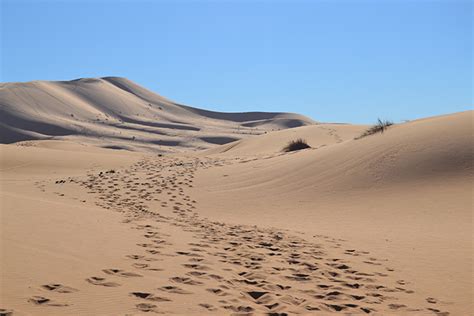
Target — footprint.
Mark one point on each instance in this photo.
(195, 266)
(438, 312)
(101, 281)
(217, 292)
(145, 266)
(59, 288)
(299, 277)
(135, 257)
(396, 306)
(208, 307)
(150, 297)
(311, 308)
(6, 312)
(144, 307)
(185, 280)
(174, 289)
(337, 308)
(292, 300)
(121, 273)
(256, 295)
(240, 309)
(40, 300)
(216, 277)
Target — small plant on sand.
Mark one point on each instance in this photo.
(379, 127)
(296, 145)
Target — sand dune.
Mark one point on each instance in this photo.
(380, 225)
(122, 114)
(317, 136)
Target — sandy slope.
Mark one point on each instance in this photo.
(406, 195)
(116, 113)
(317, 136)
(380, 225)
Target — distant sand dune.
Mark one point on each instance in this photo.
(121, 111)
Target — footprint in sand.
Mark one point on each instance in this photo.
(196, 266)
(256, 294)
(173, 289)
(209, 307)
(438, 312)
(149, 297)
(121, 273)
(101, 281)
(218, 292)
(145, 266)
(432, 300)
(6, 312)
(40, 300)
(187, 281)
(299, 277)
(144, 307)
(239, 309)
(59, 288)
(140, 257)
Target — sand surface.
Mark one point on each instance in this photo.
(381, 225)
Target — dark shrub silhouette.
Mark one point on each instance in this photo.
(379, 127)
(296, 145)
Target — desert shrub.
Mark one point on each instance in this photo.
(379, 127)
(296, 145)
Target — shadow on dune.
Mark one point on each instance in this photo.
(11, 135)
(284, 123)
(153, 131)
(219, 140)
(162, 125)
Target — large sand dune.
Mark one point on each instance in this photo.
(380, 225)
(117, 113)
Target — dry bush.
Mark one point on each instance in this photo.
(379, 127)
(296, 145)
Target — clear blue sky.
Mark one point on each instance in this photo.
(345, 61)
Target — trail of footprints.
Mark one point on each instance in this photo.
(333, 133)
(243, 269)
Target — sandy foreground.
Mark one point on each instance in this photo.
(380, 225)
